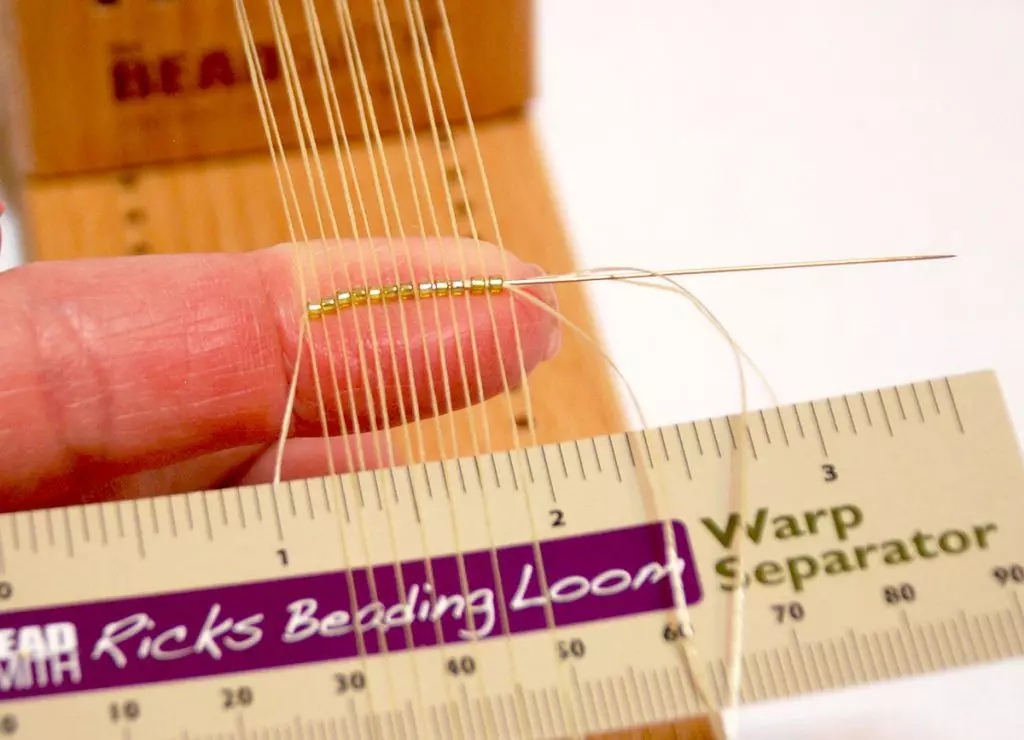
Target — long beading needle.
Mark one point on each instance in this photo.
(494, 285)
(639, 275)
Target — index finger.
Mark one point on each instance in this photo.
(120, 365)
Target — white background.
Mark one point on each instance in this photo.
(686, 133)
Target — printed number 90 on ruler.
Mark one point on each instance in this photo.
(883, 539)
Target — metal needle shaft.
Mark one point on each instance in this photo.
(638, 274)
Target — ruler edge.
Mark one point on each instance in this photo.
(624, 437)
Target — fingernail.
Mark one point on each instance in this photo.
(555, 344)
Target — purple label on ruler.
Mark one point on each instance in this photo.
(308, 619)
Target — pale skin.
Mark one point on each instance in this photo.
(161, 374)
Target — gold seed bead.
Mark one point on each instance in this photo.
(405, 291)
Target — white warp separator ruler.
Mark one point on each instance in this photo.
(884, 538)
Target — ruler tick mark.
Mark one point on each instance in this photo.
(881, 665)
(764, 426)
(843, 658)
(628, 439)
(959, 642)
(206, 515)
(918, 637)
(970, 637)
(626, 713)
(852, 636)
(1016, 645)
(535, 706)
(765, 679)
(15, 537)
(832, 415)
(799, 421)
(615, 460)
(714, 437)
(817, 427)
(223, 508)
(887, 642)
(241, 508)
(669, 696)
(138, 529)
(719, 693)
(579, 457)
(937, 639)
(1019, 621)
(999, 630)
(885, 412)
(818, 654)
(681, 679)
(849, 413)
(33, 535)
(682, 449)
(171, 518)
(84, 513)
(68, 537)
(956, 411)
(561, 456)
(867, 411)
(642, 690)
(609, 723)
(917, 402)
(747, 673)
(504, 719)
(664, 445)
(696, 436)
(899, 402)
(732, 436)
(48, 518)
(753, 449)
(782, 425)
(935, 398)
(981, 634)
(910, 655)
(655, 697)
(511, 467)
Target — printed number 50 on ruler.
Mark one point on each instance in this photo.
(884, 538)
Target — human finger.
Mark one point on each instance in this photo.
(116, 366)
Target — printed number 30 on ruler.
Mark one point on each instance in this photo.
(884, 538)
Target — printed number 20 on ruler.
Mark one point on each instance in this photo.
(884, 538)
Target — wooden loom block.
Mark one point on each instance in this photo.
(106, 84)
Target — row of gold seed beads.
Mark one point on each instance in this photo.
(404, 291)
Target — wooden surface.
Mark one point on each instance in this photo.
(90, 85)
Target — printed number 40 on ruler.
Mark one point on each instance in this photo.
(883, 538)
